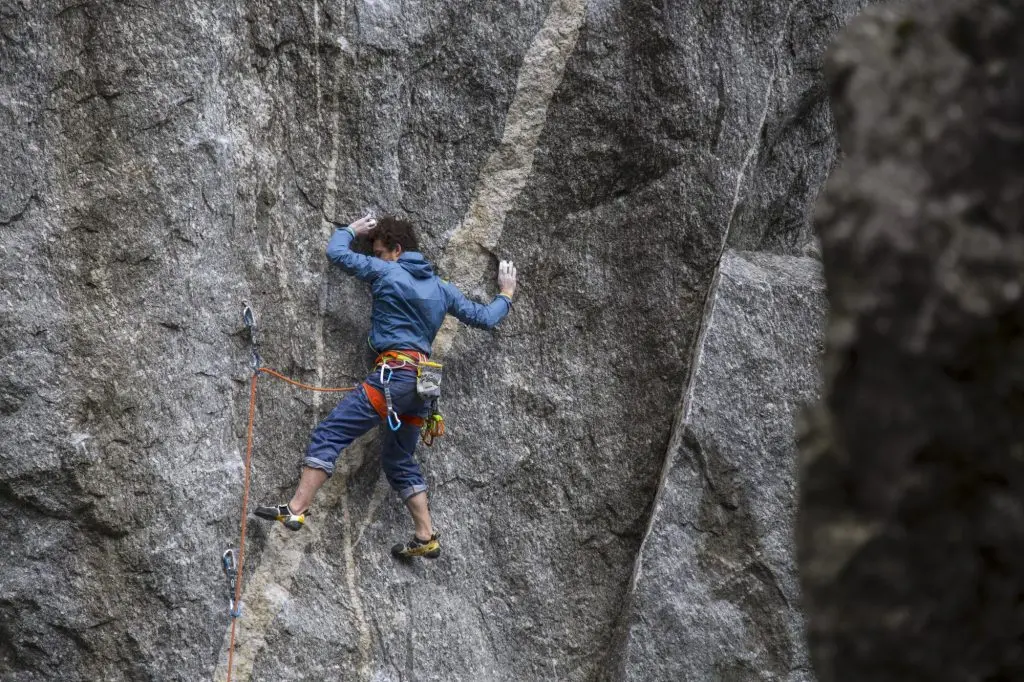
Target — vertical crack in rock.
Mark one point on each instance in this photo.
(352, 576)
(674, 445)
(714, 591)
(316, 74)
(506, 171)
(709, 302)
(755, 143)
(341, 486)
(696, 351)
(330, 206)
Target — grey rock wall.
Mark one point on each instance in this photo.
(715, 593)
(912, 541)
(163, 163)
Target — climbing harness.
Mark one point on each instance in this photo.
(428, 372)
(428, 386)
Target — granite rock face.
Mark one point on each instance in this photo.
(912, 533)
(165, 162)
(715, 594)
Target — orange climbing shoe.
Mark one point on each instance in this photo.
(428, 549)
(283, 514)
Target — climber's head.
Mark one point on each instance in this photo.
(392, 237)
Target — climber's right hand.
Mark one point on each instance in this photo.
(363, 225)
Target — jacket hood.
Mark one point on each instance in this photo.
(416, 265)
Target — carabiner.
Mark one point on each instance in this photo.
(229, 565)
(394, 421)
(249, 317)
(231, 573)
(385, 366)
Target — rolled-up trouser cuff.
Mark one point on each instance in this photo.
(314, 463)
(406, 493)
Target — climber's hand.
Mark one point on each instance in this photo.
(363, 225)
(507, 278)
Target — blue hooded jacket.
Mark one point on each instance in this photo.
(409, 300)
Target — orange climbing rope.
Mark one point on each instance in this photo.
(321, 389)
(245, 505)
(235, 607)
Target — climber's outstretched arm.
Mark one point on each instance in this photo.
(366, 268)
(478, 314)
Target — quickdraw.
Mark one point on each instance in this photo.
(394, 421)
(231, 573)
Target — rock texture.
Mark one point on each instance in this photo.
(715, 593)
(164, 162)
(912, 534)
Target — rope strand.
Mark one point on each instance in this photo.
(245, 494)
(267, 370)
(245, 518)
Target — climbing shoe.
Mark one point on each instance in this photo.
(429, 549)
(283, 514)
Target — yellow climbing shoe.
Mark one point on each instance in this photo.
(428, 549)
(283, 514)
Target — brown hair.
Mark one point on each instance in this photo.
(393, 232)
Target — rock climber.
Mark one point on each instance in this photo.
(409, 304)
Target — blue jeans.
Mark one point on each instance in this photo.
(355, 415)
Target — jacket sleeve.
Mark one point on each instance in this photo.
(339, 251)
(472, 313)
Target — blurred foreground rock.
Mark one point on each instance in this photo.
(912, 517)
